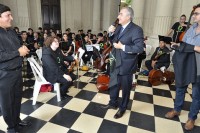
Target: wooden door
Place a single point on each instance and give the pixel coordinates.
(51, 17)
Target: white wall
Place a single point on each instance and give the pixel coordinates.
(80, 14)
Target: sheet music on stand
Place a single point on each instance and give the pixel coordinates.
(90, 47)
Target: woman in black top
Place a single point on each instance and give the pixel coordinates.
(66, 45)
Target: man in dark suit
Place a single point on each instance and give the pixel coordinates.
(127, 39)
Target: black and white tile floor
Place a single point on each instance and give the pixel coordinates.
(82, 113)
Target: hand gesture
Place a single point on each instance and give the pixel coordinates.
(67, 77)
(118, 45)
(23, 50)
(111, 29)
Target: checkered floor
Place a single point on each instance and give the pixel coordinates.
(82, 113)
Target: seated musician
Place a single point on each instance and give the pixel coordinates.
(66, 45)
(105, 35)
(161, 56)
(101, 41)
(88, 54)
(25, 41)
(37, 41)
(94, 39)
(54, 69)
(73, 37)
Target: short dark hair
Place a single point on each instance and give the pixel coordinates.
(30, 29)
(23, 32)
(39, 28)
(4, 8)
(183, 15)
(198, 5)
(89, 31)
(100, 34)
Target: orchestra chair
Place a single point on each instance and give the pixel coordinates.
(40, 80)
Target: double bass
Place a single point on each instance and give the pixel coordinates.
(188, 24)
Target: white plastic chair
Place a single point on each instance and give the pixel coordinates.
(148, 53)
(40, 80)
(39, 54)
(73, 44)
(148, 49)
(81, 52)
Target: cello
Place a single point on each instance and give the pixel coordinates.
(100, 62)
(157, 77)
(104, 79)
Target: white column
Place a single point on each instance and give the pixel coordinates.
(110, 13)
(75, 21)
(63, 16)
(138, 7)
(35, 14)
(96, 16)
(23, 15)
(86, 12)
(163, 16)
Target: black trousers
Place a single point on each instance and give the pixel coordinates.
(66, 84)
(157, 65)
(10, 97)
(140, 58)
(125, 83)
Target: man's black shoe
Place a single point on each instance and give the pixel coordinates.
(24, 123)
(63, 97)
(108, 107)
(119, 114)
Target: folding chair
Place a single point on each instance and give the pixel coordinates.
(40, 80)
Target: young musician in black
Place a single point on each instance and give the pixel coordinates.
(161, 56)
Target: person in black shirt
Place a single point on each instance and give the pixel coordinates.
(177, 29)
(66, 45)
(102, 43)
(11, 57)
(88, 54)
(54, 69)
(30, 34)
(161, 56)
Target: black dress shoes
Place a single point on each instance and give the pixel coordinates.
(108, 107)
(24, 123)
(63, 97)
(119, 114)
